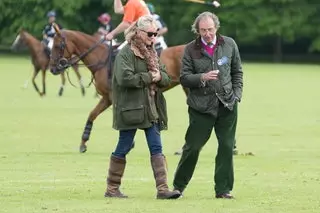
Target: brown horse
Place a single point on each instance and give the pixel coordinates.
(171, 57)
(40, 61)
(96, 57)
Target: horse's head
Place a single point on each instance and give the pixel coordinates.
(19, 40)
(60, 53)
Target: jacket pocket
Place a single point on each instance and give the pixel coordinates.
(199, 99)
(228, 91)
(227, 96)
(162, 111)
(132, 116)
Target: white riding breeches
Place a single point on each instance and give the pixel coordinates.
(162, 42)
(50, 43)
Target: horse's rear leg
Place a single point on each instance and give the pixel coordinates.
(103, 104)
(63, 83)
(35, 73)
(186, 91)
(76, 69)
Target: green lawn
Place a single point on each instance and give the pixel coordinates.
(42, 170)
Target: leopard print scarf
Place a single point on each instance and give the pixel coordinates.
(149, 54)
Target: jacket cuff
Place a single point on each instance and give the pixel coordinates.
(146, 78)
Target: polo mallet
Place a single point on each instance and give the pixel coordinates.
(212, 3)
(26, 82)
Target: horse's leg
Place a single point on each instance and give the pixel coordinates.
(35, 73)
(235, 150)
(186, 91)
(103, 104)
(43, 82)
(96, 94)
(76, 69)
(63, 83)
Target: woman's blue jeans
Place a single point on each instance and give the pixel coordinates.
(126, 138)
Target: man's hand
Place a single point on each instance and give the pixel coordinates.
(211, 75)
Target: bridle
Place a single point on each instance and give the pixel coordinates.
(62, 63)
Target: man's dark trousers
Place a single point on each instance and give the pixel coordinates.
(197, 135)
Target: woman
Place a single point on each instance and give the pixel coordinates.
(138, 103)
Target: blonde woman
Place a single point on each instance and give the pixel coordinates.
(138, 103)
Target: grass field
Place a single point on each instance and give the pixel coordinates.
(42, 170)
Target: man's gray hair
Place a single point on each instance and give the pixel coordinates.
(195, 25)
(143, 23)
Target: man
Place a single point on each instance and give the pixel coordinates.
(139, 104)
(49, 31)
(211, 69)
(132, 11)
(160, 42)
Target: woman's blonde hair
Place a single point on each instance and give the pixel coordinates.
(142, 23)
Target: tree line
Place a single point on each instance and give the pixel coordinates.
(259, 26)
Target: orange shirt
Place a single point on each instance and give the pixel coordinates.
(134, 9)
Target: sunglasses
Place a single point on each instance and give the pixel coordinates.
(150, 34)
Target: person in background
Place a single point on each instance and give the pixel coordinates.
(105, 21)
(49, 32)
(132, 11)
(160, 42)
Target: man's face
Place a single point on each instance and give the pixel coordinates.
(52, 19)
(149, 35)
(207, 29)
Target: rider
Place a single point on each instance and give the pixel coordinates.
(132, 11)
(105, 27)
(105, 20)
(160, 42)
(49, 31)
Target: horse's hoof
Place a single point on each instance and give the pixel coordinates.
(83, 92)
(60, 91)
(235, 152)
(83, 148)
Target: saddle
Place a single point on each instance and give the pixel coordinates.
(114, 51)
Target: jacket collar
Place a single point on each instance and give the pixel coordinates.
(198, 42)
(213, 43)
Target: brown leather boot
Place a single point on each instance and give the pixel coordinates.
(116, 170)
(158, 163)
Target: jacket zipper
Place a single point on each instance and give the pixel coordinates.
(214, 62)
